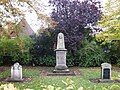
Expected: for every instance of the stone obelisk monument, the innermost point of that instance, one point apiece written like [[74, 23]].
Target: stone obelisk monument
[[61, 55]]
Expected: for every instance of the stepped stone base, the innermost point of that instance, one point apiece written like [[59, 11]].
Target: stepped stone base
[[61, 73], [12, 80], [104, 80], [61, 67], [8, 79]]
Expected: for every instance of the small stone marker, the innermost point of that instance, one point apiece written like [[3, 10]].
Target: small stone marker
[[61, 55], [106, 71], [16, 72]]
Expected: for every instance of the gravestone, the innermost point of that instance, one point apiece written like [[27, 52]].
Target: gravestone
[[106, 71], [61, 55], [16, 72]]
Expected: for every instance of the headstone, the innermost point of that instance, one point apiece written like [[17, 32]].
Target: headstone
[[16, 72], [61, 55], [106, 71]]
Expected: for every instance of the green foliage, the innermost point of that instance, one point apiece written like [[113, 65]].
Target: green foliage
[[45, 60], [17, 49], [43, 51], [110, 22], [69, 85], [115, 87], [91, 54], [112, 50], [115, 50], [43, 43], [10, 87], [70, 59]]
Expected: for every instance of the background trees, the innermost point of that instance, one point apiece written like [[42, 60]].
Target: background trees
[[77, 20], [12, 11], [110, 36], [72, 17], [110, 21]]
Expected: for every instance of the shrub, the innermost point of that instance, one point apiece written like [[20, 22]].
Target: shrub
[[70, 59], [46, 60], [15, 50], [43, 50], [91, 54], [112, 50]]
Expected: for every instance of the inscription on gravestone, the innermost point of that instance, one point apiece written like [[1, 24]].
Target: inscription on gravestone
[[106, 73]]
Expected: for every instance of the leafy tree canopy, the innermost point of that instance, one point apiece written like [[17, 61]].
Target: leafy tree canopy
[[110, 22], [12, 11], [73, 16]]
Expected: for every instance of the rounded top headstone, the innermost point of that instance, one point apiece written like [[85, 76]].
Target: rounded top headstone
[[106, 65]]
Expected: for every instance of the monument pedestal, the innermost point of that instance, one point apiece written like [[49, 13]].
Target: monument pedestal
[[61, 66]]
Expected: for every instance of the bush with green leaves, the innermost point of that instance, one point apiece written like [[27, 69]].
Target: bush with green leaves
[[112, 50], [15, 50], [46, 60], [43, 49], [91, 54], [70, 59], [114, 53], [43, 52]]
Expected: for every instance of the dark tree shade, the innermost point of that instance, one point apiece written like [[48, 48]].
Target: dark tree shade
[[72, 16]]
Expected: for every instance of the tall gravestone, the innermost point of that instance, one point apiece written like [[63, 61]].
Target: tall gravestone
[[16, 72], [106, 72], [61, 55]]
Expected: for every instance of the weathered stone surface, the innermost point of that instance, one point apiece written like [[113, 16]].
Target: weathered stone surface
[[106, 72], [61, 54], [16, 72], [60, 41], [60, 59], [61, 67]]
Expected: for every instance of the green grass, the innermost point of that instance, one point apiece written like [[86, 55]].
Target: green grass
[[82, 80]]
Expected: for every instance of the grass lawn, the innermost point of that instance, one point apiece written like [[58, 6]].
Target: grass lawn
[[82, 80]]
